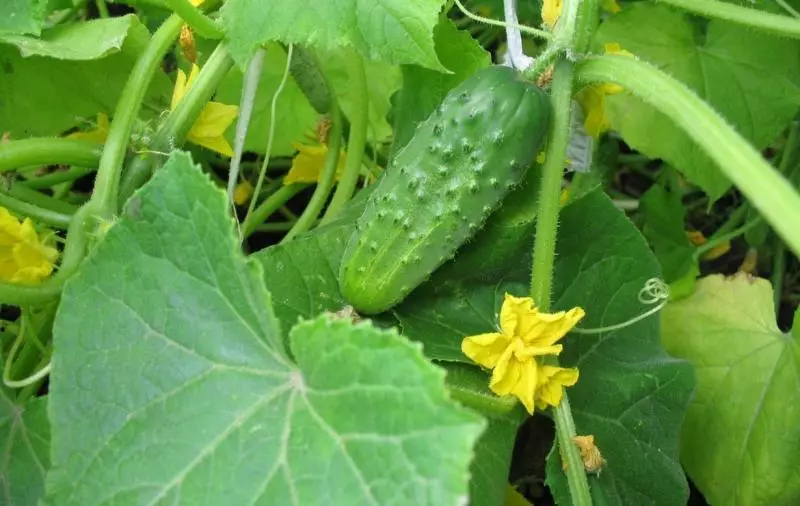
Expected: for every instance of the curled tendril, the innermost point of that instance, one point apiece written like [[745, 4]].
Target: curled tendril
[[654, 291]]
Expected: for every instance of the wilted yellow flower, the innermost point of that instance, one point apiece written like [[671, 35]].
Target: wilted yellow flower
[[593, 460], [307, 165], [593, 98], [99, 134], [209, 129], [526, 333], [23, 257], [697, 238]]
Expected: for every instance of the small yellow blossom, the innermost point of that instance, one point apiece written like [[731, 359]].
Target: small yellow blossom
[[23, 256], [526, 333], [698, 239], [209, 129], [551, 11], [99, 134], [593, 98], [242, 193], [307, 165]]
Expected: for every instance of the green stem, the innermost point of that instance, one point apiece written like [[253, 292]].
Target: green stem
[[778, 270], [359, 123], [723, 238], [194, 17], [41, 151], [773, 23], [269, 206], [102, 8], [326, 179], [104, 197], [54, 178], [252, 77], [544, 258], [180, 121], [493, 22], [38, 199], [766, 189], [47, 216], [281, 226]]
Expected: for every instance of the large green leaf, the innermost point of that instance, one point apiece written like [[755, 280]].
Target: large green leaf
[[751, 78], [71, 73], [397, 31], [740, 442], [170, 384], [22, 16], [424, 89], [295, 118], [25, 447]]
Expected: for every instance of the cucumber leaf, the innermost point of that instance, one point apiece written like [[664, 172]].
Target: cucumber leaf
[[25, 447], [22, 16], [751, 78], [171, 384], [396, 31], [740, 442]]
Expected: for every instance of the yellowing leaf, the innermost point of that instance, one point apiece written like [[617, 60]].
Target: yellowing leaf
[[23, 257], [307, 165]]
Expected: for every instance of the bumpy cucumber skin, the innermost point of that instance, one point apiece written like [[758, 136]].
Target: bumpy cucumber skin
[[442, 185]]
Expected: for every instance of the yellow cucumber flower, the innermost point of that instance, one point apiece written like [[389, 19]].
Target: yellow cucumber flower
[[23, 256], [593, 98], [307, 165], [99, 134], [550, 387], [551, 10], [242, 193], [526, 333], [697, 238], [209, 128]]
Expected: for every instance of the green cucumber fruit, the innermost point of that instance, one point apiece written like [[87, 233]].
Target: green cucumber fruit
[[441, 187]]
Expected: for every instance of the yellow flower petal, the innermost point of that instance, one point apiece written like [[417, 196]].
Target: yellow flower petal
[[99, 134], [551, 383], [485, 349], [182, 85], [23, 257], [307, 165], [209, 129], [551, 11], [242, 193], [592, 100], [615, 48]]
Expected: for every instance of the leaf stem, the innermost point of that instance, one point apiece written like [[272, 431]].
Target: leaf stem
[[252, 76], [104, 197], [47, 216], [326, 179], [102, 8], [716, 241], [359, 123], [269, 206], [36, 198], [58, 177], [272, 121], [766, 189], [40, 151], [194, 17], [760, 20], [544, 257]]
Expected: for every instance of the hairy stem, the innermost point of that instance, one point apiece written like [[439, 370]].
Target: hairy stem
[[359, 123], [47, 216], [765, 188], [58, 177], [39, 151], [194, 17], [773, 23], [544, 258]]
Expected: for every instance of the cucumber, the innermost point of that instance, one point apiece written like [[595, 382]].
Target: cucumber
[[442, 185]]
